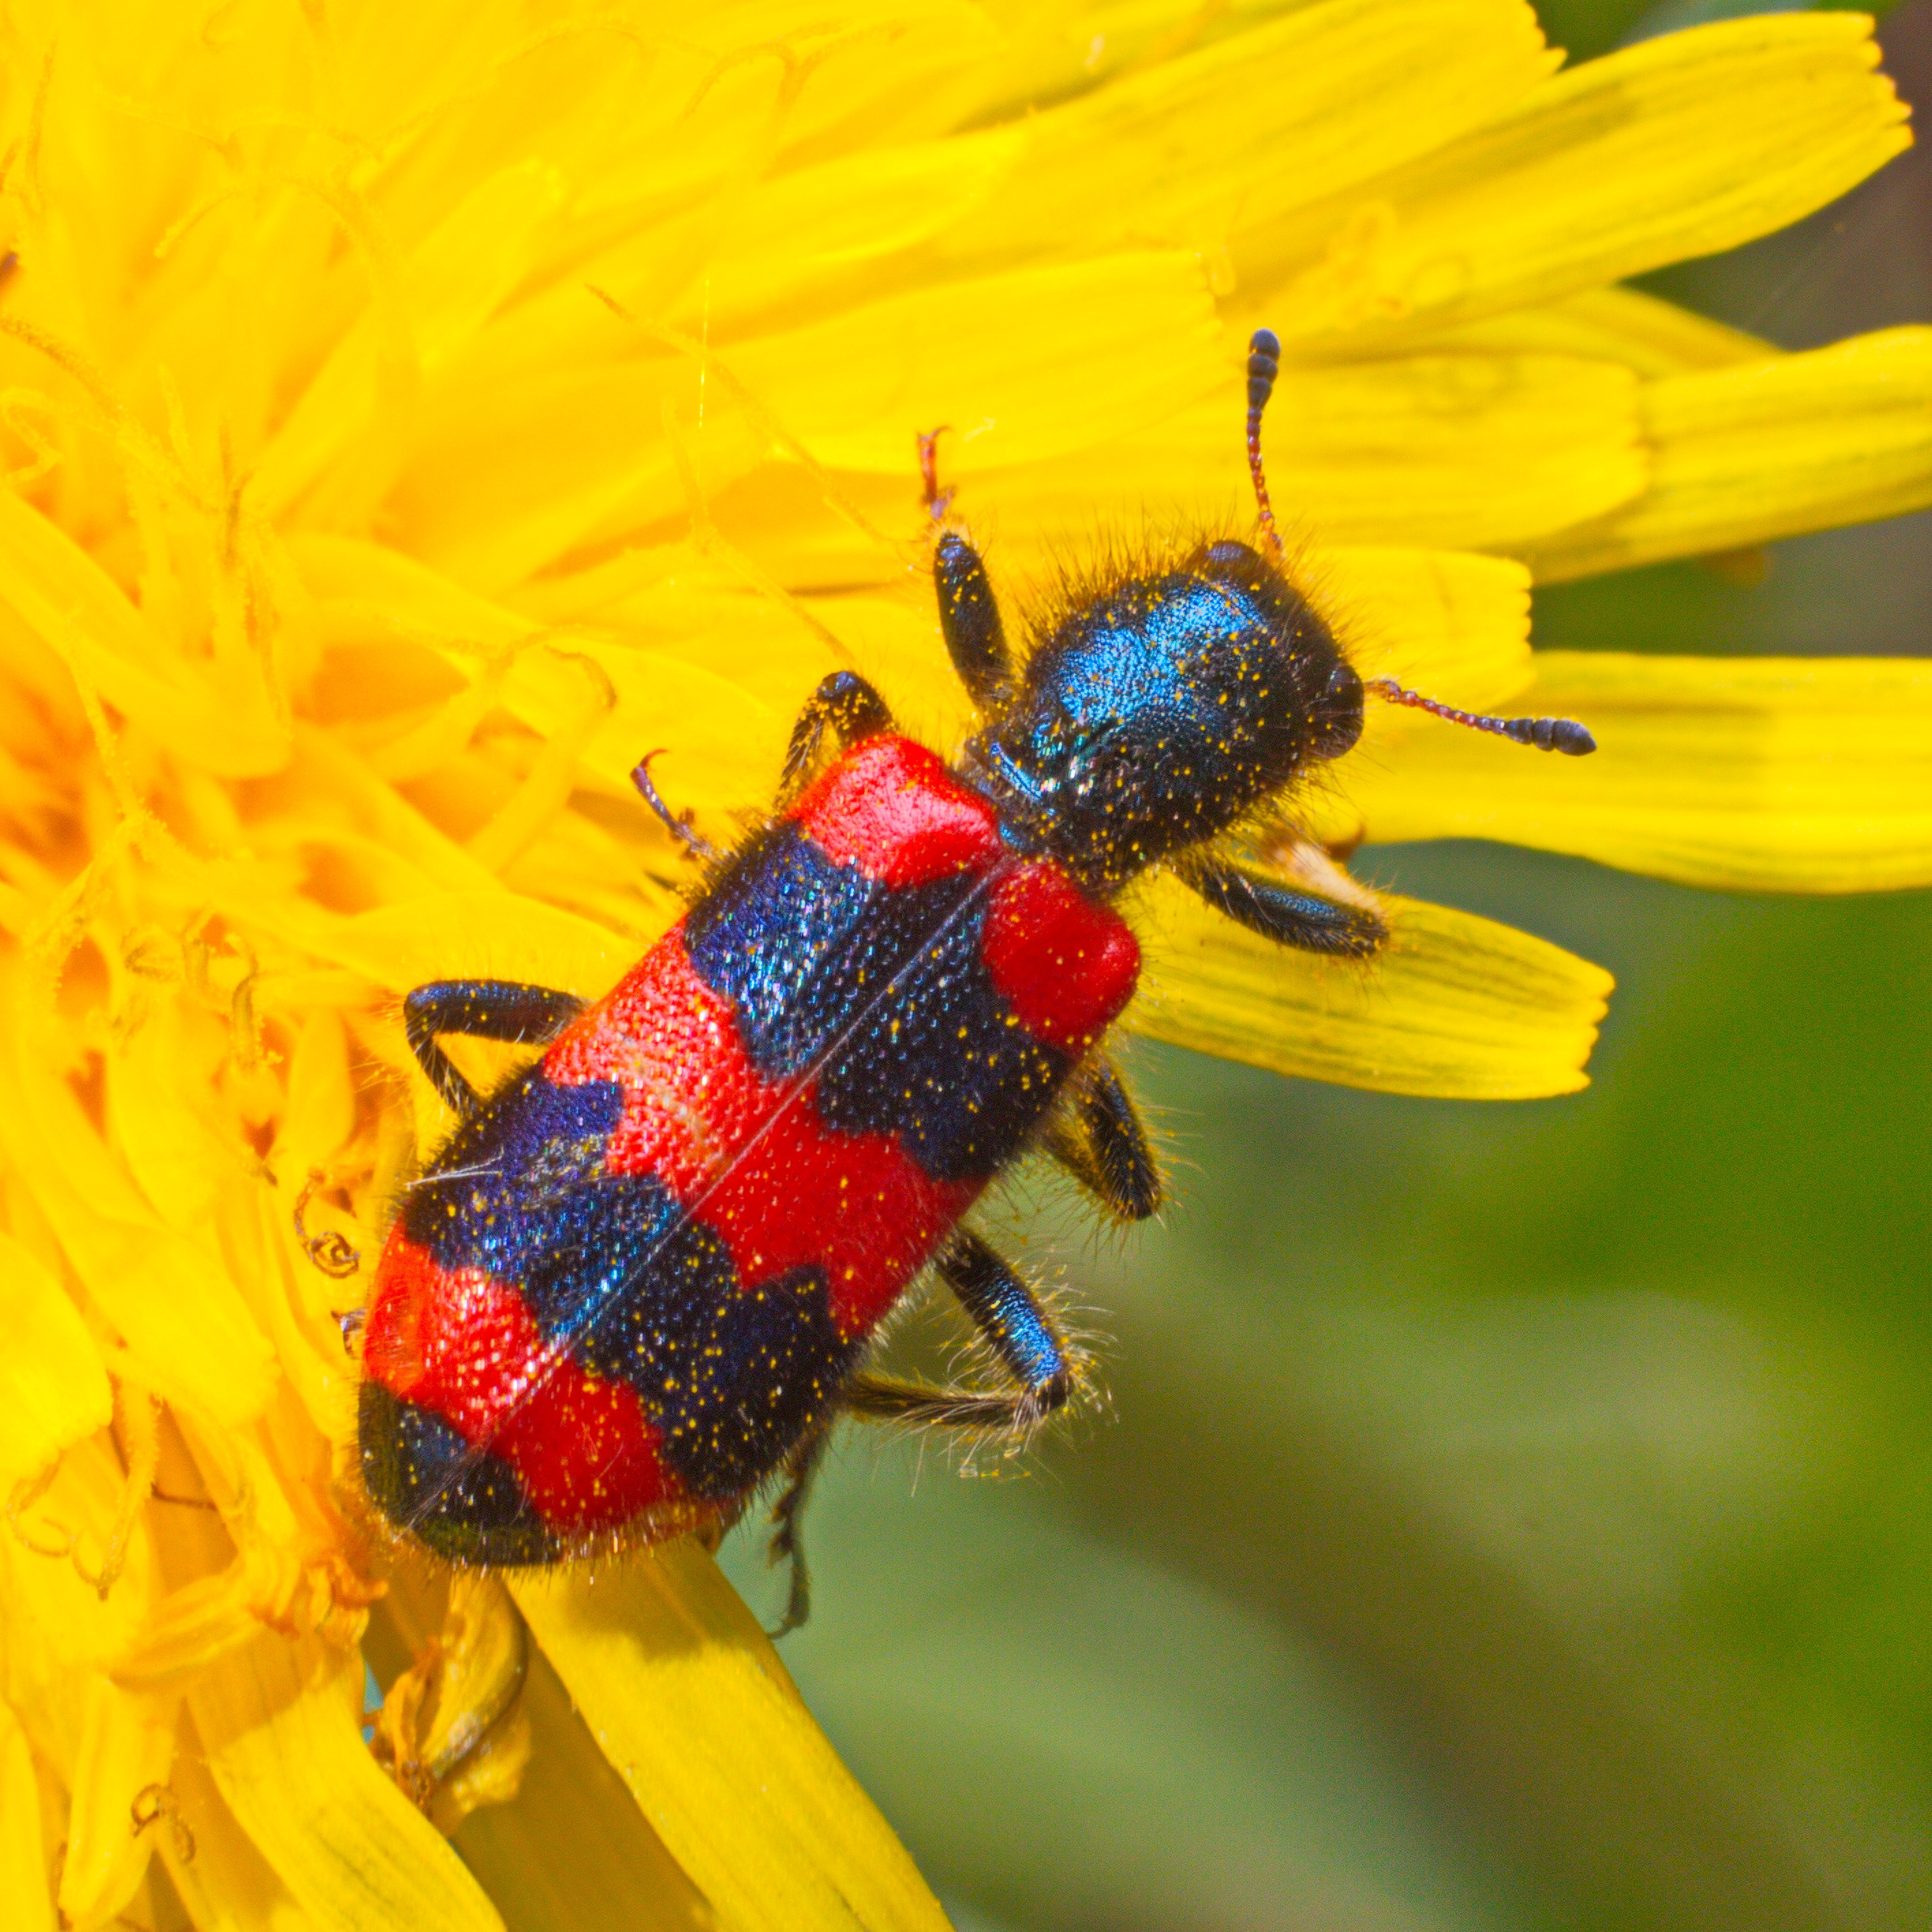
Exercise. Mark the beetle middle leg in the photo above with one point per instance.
(482, 1009)
(1289, 917)
(1103, 1144)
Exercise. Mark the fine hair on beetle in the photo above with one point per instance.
(1158, 710)
(641, 1281)
(969, 1446)
(1077, 575)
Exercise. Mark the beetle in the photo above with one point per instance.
(637, 1283)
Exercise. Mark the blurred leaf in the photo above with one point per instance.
(1075, 1737)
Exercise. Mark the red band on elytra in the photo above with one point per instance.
(748, 1156)
(1065, 965)
(464, 1345)
(891, 808)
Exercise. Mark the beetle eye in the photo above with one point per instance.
(1338, 713)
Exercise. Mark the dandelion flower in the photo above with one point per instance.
(412, 416)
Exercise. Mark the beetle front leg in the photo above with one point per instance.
(970, 622)
(1287, 917)
(483, 1009)
(845, 704)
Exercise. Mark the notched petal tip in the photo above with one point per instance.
(1454, 1006)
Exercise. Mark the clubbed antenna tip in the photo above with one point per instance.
(1546, 734)
(1264, 365)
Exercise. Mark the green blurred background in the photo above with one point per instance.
(1507, 1517)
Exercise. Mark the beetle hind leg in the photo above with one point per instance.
(787, 1545)
(1020, 1334)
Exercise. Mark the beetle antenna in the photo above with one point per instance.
(1264, 365)
(1546, 734)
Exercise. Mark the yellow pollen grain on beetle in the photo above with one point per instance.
(410, 421)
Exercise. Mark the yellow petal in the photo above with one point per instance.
(497, 935)
(354, 413)
(157, 1116)
(53, 1391)
(195, 1626)
(1450, 451)
(572, 1849)
(62, 1629)
(802, 228)
(663, 664)
(109, 1745)
(1766, 449)
(25, 1905)
(1447, 450)
(1325, 93)
(1681, 145)
(281, 1723)
(321, 1113)
(127, 1745)
(691, 1704)
(224, 1881)
(1457, 1005)
(326, 771)
(1757, 774)
(1436, 620)
(219, 716)
(1022, 364)
(1644, 333)
(169, 1296)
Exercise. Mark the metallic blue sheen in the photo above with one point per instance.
(1031, 1349)
(520, 1179)
(811, 955)
(782, 934)
(612, 1267)
(1155, 715)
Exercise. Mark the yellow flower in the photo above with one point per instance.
(412, 416)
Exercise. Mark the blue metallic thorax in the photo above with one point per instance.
(1156, 714)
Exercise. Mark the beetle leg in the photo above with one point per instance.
(1008, 1314)
(846, 703)
(1105, 1147)
(1289, 917)
(483, 1009)
(677, 824)
(787, 1545)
